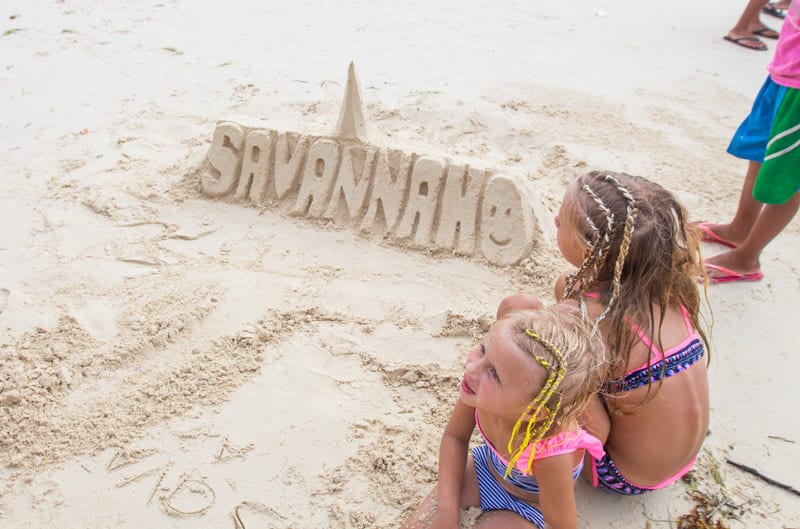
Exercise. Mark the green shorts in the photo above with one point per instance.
(779, 177)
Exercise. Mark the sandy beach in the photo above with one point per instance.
(177, 351)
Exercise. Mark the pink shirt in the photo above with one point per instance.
(785, 66)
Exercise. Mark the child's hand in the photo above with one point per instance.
(445, 521)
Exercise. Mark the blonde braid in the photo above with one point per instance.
(569, 288)
(605, 209)
(630, 217)
(535, 432)
(604, 244)
(601, 243)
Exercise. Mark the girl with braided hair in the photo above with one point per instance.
(524, 386)
(637, 260)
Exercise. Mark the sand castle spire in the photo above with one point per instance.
(351, 124)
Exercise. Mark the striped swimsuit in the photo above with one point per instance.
(490, 467)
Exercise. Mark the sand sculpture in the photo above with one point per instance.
(412, 199)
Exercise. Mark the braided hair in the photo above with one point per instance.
(643, 254)
(572, 359)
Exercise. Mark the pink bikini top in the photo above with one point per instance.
(562, 443)
(676, 353)
(662, 364)
(657, 355)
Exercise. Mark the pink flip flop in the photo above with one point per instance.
(729, 276)
(710, 236)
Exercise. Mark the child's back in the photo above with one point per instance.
(653, 431)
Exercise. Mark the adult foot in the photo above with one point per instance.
(747, 41)
(763, 31)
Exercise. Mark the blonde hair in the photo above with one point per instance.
(573, 359)
(643, 254)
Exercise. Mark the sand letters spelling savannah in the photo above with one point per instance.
(423, 201)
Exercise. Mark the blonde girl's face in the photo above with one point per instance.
(570, 243)
(498, 377)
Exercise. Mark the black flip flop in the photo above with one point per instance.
(770, 9)
(767, 33)
(739, 41)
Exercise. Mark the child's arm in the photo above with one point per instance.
(595, 419)
(557, 491)
(452, 463)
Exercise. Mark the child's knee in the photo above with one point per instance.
(518, 302)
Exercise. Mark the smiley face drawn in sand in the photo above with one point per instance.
(508, 214)
(506, 222)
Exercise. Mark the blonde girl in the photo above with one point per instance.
(637, 262)
(524, 386)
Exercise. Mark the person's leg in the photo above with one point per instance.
(502, 520)
(776, 184)
(737, 230)
(775, 114)
(748, 22)
(745, 259)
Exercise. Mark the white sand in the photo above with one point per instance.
(167, 360)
